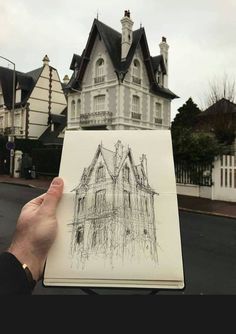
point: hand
(36, 229)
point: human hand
(36, 229)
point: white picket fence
(223, 182)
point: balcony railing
(17, 131)
(136, 115)
(99, 79)
(96, 118)
(136, 80)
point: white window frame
(99, 103)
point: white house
(117, 84)
(40, 103)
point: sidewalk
(185, 203)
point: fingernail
(57, 181)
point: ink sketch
(118, 223)
(114, 216)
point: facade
(116, 83)
(114, 209)
(39, 102)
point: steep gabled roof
(23, 81)
(114, 169)
(112, 41)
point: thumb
(53, 195)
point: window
(79, 235)
(100, 173)
(78, 107)
(1, 96)
(127, 201)
(100, 200)
(136, 72)
(72, 109)
(126, 173)
(81, 202)
(158, 113)
(99, 103)
(136, 107)
(99, 71)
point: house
(116, 83)
(220, 119)
(39, 102)
(114, 209)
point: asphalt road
(208, 246)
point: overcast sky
(201, 35)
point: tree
(187, 116)
(189, 144)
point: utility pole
(11, 137)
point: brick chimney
(127, 34)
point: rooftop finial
(46, 60)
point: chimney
(164, 47)
(66, 79)
(127, 34)
(46, 60)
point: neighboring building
(220, 119)
(40, 102)
(116, 84)
(114, 209)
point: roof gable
(112, 41)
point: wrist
(33, 263)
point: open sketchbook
(118, 223)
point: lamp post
(12, 132)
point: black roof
(112, 41)
(221, 106)
(51, 137)
(23, 81)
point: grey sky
(201, 35)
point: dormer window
(99, 71)
(136, 77)
(126, 173)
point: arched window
(99, 71)
(101, 174)
(136, 72)
(72, 113)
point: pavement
(185, 203)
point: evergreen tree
(187, 116)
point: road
(208, 246)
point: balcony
(100, 79)
(96, 118)
(136, 115)
(17, 131)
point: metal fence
(197, 173)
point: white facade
(46, 97)
(124, 104)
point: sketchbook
(118, 222)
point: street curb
(218, 214)
(24, 185)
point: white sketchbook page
(78, 152)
